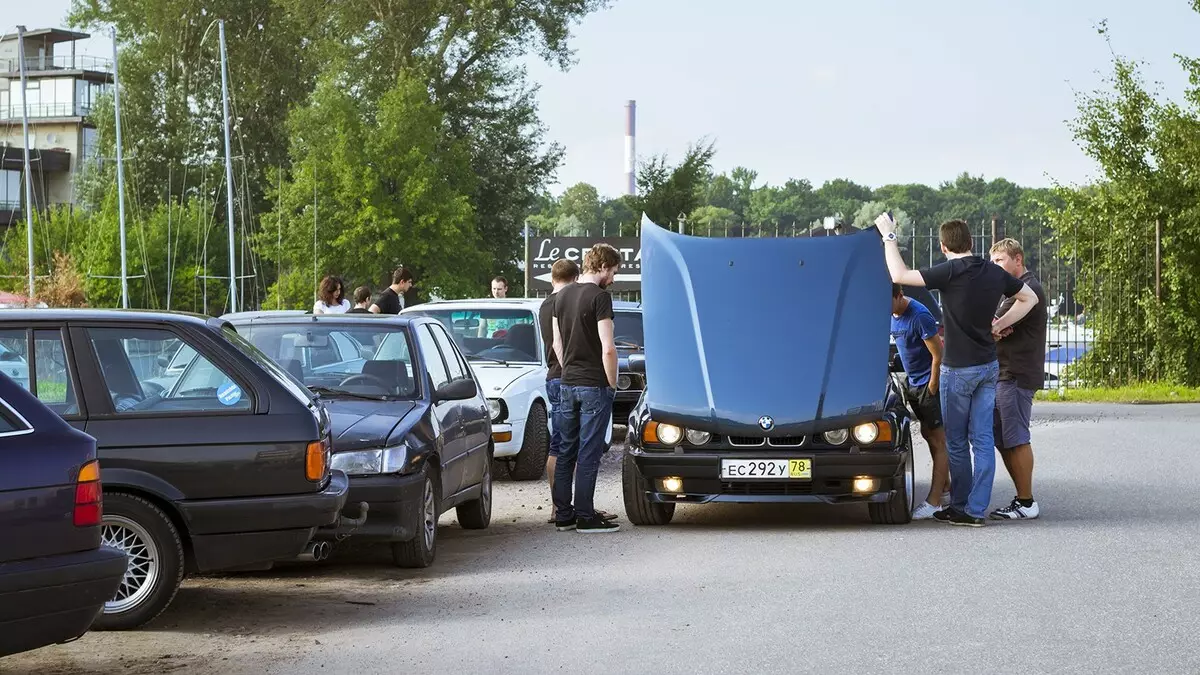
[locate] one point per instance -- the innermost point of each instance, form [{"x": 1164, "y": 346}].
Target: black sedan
[
  {"x": 411, "y": 426},
  {"x": 770, "y": 377},
  {"x": 628, "y": 335}
]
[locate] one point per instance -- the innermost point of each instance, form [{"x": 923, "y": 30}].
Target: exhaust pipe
[{"x": 316, "y": 551}]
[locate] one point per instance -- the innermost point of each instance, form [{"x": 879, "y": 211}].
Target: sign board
[{"x": 543, "y": 251}]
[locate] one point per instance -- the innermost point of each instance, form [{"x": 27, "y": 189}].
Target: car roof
[
  {"x": 516, "y": 303},
  {"x": 290, "y": 317},
  {"x": 90, "y": 314},
  {"x": 627, "y": 305}
]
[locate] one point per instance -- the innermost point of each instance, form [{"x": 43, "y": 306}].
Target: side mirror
[
  {"x": 458, "y": 390},
  {"x": 637, "y": 363}
]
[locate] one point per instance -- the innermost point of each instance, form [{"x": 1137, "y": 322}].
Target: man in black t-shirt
[
  {"x": 971, "y": 288},
  {"x": 391, "y": 300},
  {"x": 584, "y": 345},
  {"x": 562, "y": 273},
  {"x": 362, "y": 301},
  {"x": 1022, "y": 354}
]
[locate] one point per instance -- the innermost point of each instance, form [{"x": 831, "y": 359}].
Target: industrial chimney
[{"x": 630, "y": 156}]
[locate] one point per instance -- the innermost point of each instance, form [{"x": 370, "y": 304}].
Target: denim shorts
[{"x": 1014, "y": 408}]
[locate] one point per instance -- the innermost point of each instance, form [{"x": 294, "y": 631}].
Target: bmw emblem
[{"x": 766, "y": 422}]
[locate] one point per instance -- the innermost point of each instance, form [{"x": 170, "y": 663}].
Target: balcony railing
[
  {"x": 64, "y": 62},
  {"x": 44, "y": 110}
]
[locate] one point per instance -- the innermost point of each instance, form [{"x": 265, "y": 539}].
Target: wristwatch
[{"x": 890, "y": 236}]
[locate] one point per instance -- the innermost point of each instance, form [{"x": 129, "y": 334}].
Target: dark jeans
[
  {"x": 554, "y": 393},
  {"x": 585, "y": 412}
]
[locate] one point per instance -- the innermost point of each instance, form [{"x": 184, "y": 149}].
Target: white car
[{"x": 503, "y": 343}]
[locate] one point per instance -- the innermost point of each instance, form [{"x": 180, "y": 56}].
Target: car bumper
[
  {"x": 393, "y": 502},
  {"x": 232, "y": 533},
  {"x": 55, "y": 599},
  {"x": 507, "y": 438},
  {"x": 833, "y": 475}
]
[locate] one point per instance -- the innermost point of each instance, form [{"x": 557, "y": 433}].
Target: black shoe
[
  {"x": 960, "y": 518},
  {"x": 595, "y": 525},
  {"x": 945, "y": 514},
  {"x": 606, "y": 515},
  {"x": 564, "y": 525}
]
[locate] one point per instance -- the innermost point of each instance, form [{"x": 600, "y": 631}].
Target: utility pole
[
  {"x": 28, "y": 175},
  {"x": 233, "y": 276},
  {"x": 995, "y": 218},
  {"x": 528, "y": 273},
  {"x": 121, "y": 177}
]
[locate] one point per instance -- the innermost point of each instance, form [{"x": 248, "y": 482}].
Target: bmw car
[{"x": 769, "y": 377}]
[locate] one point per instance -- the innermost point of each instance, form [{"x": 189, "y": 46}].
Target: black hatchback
[{"x": 212, "y": 457}]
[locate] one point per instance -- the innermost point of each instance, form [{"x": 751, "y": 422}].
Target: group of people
[
  {"x": 331, "y": 296},
  {"x": 974, "y": 394}
]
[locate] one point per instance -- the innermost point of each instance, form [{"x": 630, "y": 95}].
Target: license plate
[{"x": 766, "y": 469}]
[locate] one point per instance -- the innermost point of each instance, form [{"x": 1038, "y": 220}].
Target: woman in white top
[{"x": 331, "y": 297}]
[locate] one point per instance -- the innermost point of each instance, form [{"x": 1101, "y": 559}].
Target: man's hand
[
  {"x": 1000, "y": 335},
  {"x": 885, "y": 224}
]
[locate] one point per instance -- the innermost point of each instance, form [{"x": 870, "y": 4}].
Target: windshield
[
  {"x": 627, "y": 330},
  {"x": 492, "y": 334},
  {"x": 294, "y": 387},
  {"x": 356, "y": 359}
]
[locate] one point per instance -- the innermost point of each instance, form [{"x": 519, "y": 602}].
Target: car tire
[
  {"x": 638, "y": 508},
  {"x": 421, "y": 550},
  {"x": 898, "y": 509},
  {"x": 477, "y": 514},
  {"x": 530, "y": 463},
  {"x": 156, "y": 564}
]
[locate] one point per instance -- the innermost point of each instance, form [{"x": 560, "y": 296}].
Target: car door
[
  {"x": 445, "y": 412},
  {"x": 52, "y": 378},
  {"x": 473, "y": 412}
]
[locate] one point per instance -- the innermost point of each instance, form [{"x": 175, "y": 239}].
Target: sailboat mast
[
  {"x": 120, "y": 175},
  {"x": 233, "y": 276},
  {"x": 28, "y": 175}
]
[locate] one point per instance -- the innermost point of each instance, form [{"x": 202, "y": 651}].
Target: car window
[
  {"x": 51, "y": 382},
  {"x": 454, "y": 367},
  {"x": 14, "y": 343},
  {"x": 183, "y": 356},
  {"x": 10, "y": 422},
  {"x": 627, "y": 330},
  {"x": 487, "y": 334},
  {"x": 138, "y": 382},
  {"x": 432, "y": 357},
  {"x": 393, "y": 346}
]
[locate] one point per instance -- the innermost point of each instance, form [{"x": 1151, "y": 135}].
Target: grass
[{"x": 1137, "y": 393}]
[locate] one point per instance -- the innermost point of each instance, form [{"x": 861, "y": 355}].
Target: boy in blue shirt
[{"x": 920, "y": 347}]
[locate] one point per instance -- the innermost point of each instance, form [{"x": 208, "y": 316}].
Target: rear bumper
[
  {"x": 833, "y": 474},
  {"x": 394, "y": 502},
  {"x": 55, "y": 599},
  {"x": 231, "y": 533}
]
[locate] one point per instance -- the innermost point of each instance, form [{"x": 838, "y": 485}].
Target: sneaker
[
  {"x": 1016, "y": 511},
  {"x": 606, "y": 515},
  {"x": 944, "y": 514},
  {"x": 966, "y": 520},
  {"x": 564, "y": 525},
  {"x": 924, "y": 512},
  {"x": 596, "y": 525}
]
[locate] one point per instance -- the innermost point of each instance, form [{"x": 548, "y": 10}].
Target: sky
[{"x": 875, "y": 91}]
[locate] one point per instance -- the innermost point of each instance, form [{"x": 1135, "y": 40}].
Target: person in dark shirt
[
  {"x": 391, "y": 300},
  {"x": 920, "y": 348},
  {"x": 971, "y": 288},
  {"x": 562, "y": 273},
  {"x": 362, "y": 301},
  {"x": 584, "y": 345},
  {"x": 1022, "y": 355}
]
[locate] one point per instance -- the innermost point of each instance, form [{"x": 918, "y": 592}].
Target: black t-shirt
[
  {"x": 546, "y": 323},
  {"x": 389, "y": 302},
  {"x": 971, "y": 288},
  {"x": 1023, "y": 353},
  {"x": 358, "y": 310},
  {"x": 579, "y": 308}
]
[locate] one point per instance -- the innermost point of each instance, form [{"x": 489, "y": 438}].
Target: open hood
[{"x": 776, "y": 336}]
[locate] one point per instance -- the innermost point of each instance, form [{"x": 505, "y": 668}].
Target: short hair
[
  {"x": 600, "y": 257},
  {"x": 361, "y": 295},
  {"x": 956, "y": 236},
  {"x": 327, "y": 291},
  {"x": 1010, "y": 247},
  {"x": 564, "y": 270},
  {"x": 897, "y": 291},
  {"x": 502, "y": 280},
  {"x": 401, "y": 275}
]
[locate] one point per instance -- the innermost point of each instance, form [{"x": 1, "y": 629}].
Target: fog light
[
  {"x": 671, "y": 484},
  {"x": 865, "y": 484}
]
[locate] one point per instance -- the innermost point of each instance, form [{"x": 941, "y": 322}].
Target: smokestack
[{"x": 630, "y": 156}]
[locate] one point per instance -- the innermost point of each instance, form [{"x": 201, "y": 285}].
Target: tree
[
  {"x": 666, "y": 192},
  {"x": 582, "y": 202}
]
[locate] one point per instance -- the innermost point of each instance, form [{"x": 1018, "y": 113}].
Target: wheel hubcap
[
  {"x": 142, "y": 570},
  {"x": 430, "y": 515},
  {"x": 485, "y": 496},
  {"x": 909, "y": 470}
]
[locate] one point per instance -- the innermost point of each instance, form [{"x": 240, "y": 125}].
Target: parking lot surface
[{"x": 1106, "y": 581}]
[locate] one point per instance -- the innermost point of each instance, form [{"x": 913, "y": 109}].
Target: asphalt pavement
[{"x": 1106, "y": 581}]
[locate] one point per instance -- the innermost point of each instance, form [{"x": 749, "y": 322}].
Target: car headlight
[
  {"x": 496, "y": 409},
  {"x": 669, "y": 434},
  {"x": 624, "y": 382},
  {"x": 866, "y": 434},
  {"x": 836, "y": 436},
  {"x": 696, "y": 437},
  {"x": 372, "y": 462}
]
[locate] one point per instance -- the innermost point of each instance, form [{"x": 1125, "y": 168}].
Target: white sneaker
[
  {"x": 924, "y": 512},
  {"x": 1015, "y": 511}
]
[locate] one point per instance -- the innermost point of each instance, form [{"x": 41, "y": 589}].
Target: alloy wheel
[{"x": 142, "y": 569}]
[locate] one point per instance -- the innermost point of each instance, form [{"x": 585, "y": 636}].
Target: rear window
[
  {"x": 10, "y": 421},
  {"x": 283, "y": 377}
]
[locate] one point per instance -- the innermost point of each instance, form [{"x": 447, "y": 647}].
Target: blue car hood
[{"x": 783, "y": 336}]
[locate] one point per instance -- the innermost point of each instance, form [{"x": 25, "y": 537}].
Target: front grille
[
  {"x": 767, "y": 488},
  {"x": 747, "y": 441},
  {"x": 786, "y": 441}
]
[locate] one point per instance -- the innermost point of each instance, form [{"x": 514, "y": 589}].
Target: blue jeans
[
  {"x": 585, "y": 411},
  {"x": 554, "y": 394},
  {"x": 968, "y": 401}
]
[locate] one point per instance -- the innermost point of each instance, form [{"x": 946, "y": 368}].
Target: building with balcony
[{"x": 61, "y": 88}]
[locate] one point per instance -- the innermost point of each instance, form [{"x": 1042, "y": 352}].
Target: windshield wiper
[
  {"x": 476, "y": 357},
  {"x": 329, "y": 391}
]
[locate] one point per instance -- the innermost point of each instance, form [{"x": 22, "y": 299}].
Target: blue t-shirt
[{"x": 910, "y": 330}]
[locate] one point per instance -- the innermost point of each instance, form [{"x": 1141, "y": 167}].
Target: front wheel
[
  {"x": 154, "y": 553},
  {"x": 535, "y": 446},
  {"x": 420, "y": 551},
  {"x": 638, "y": 507},
  {"x": 898, "y": 510}
]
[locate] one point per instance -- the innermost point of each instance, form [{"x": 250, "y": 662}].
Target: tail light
[
  {"x": 88, "y": 502},
  {"x": 316, "y": 460}
]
